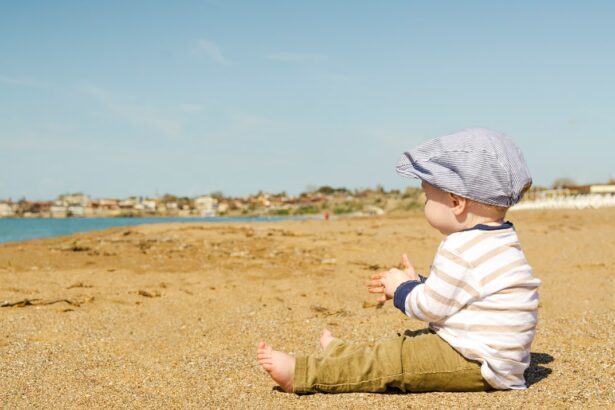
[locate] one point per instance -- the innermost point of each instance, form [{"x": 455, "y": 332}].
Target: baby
[{"x": 479, "y": 299}]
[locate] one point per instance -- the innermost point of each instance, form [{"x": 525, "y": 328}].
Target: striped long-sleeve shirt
[{"x": 481, "y": 298}]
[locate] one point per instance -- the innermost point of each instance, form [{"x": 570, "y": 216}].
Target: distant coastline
[
  {"x": 324, "y": 201},
  {"x": 321, "y": 201}
]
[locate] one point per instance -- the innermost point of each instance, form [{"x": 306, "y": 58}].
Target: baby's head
[{"x": 469, "y": 177}]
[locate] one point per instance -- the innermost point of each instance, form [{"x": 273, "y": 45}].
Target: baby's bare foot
[
  {"x": 325, "y": 338},
  {"x": 279, "y": 365}
]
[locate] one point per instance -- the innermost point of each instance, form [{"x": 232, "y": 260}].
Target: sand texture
[{"x": 169, "y": 316}]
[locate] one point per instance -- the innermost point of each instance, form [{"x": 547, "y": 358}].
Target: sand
[{"x": 167, "y": 316}]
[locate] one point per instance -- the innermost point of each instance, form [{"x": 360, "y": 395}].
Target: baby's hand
[
  {"x": 392, "y": 279},
  {"x": 387, "y": 282},
  {"x": 375, "y": 286},
  {"x": 407, "y": 267}
]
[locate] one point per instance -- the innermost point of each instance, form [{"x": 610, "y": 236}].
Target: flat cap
[{"x": 476, "y": 163}]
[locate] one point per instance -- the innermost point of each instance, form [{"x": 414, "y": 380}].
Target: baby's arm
[{"x": 450, "y": 287}]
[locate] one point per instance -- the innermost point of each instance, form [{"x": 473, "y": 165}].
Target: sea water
[{"x": 20, "y": 229}]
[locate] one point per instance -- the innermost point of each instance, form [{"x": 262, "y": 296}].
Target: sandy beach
[{"x": 169, "y": 316}]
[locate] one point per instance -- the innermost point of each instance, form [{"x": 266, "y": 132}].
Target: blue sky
[{"x": 188, "y": 97}]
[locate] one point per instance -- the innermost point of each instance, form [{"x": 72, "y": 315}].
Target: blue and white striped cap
[{"x": 476, "y": 163}]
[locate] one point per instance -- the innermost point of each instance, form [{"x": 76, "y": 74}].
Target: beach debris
[
  {"x": 79, "y": 285},
  {"x": 145, "y": 245},
  {"x": 42, "y": 302},
  {"x": 75, "y": 247},
  {"x": 149, "y": 294},
  {"x": 369, "y": 266},
  {"x": 327, "y": 312},
  {"x": 368, "y": 304},
  {"x": 328, "y": 261},
  {"x": 20, "y": 303},
  {"x": 319, "y": 309},
  {"x": 239, "y": 253}
]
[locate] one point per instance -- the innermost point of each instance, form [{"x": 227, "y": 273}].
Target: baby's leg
[
  {"x": 420, "y": 361},
  {"x": 349, "y": 367}
]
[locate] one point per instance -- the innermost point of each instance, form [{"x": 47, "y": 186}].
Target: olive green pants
[{"x": 417, "y": 361}]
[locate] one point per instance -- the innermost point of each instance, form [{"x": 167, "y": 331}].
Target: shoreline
[{"x": 17, "y": 229}]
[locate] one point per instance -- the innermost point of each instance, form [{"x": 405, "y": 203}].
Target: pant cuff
[
  {"x": 302, "y": 382},
  {"x": 300, "y": 376}
]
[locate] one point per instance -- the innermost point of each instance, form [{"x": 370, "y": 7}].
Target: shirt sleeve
[{"x": 449, "y": 287}]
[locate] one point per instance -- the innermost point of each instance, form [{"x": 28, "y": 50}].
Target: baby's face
[{"x": 438, "y": 209}]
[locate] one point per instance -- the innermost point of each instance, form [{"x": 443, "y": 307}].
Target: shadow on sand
[{"x": 536, "y": 372}]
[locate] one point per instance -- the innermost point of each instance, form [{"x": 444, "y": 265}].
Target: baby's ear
[
  {"x": 458, "y": 203},
  {"x": 454, "y": 198}
]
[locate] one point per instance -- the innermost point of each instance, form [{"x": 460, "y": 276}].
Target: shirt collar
[{"x": 483, "y": 227}]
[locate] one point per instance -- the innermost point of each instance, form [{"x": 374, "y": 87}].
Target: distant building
[
  {"x": 128, "y": 203},
  {"x": 7, "y": 209},
  {"x": 234, "y": 204},
  {"x": 571, "y": 197},
  {"x": 109, "y": 204},
  {"x": 103, "y": 207},
  {"x": 74, "y": 200},
  {"x": 223, "y": 207},
  {"x": 75, "y": 210},
  {"x": 33, "y": 209},
  {"x": 149, "y": 205},
  {"x": 373, "y": 210},
  {"x": 58, "y": 210},
  {"x": 602, "y": 189},
  {"x": 206, "y": 205}
]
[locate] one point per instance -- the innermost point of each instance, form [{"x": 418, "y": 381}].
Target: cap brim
[{"x": 406, "y": 167}]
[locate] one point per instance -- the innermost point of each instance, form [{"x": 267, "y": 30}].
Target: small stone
[{"x": 148, "y": 294}]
